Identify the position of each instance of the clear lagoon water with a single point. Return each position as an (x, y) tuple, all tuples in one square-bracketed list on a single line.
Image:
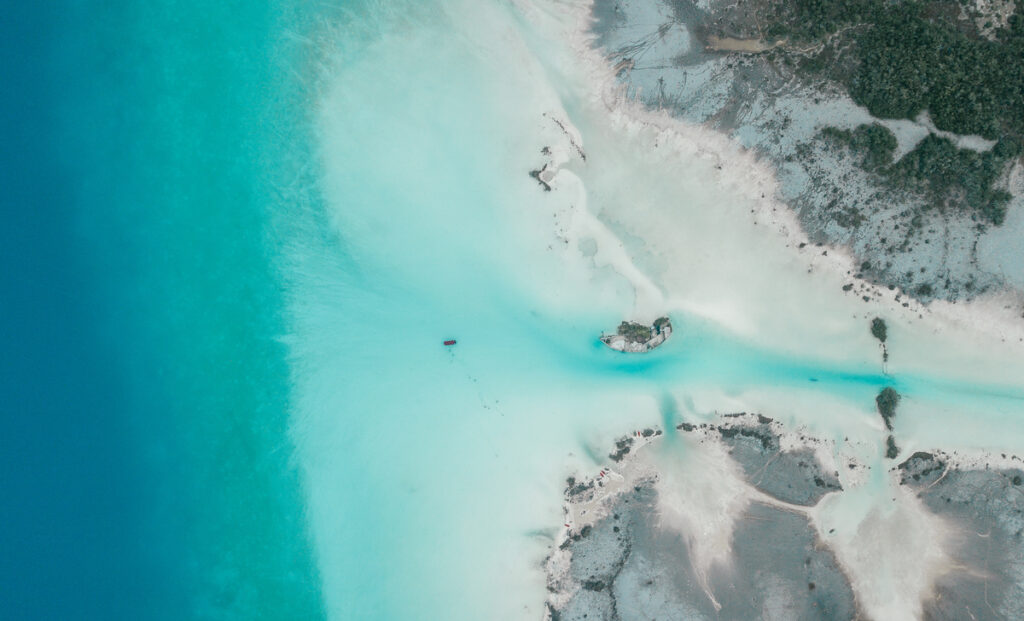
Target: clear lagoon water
[(145, 453), (239, 234)]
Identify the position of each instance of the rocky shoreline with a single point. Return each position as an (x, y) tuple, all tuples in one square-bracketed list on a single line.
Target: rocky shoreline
[(622, 555), (618, 560), (843, 171)]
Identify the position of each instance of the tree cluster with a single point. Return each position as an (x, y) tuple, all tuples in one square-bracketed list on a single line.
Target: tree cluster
[(912, 56)]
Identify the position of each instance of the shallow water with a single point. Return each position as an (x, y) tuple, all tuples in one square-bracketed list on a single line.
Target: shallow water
[(433, 475), (303, 203)]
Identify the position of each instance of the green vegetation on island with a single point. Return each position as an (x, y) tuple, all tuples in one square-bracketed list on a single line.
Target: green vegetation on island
[(634, 332), (637, 338), (878, 329), (886, 401), (874, 143), (961, 179), (958, 176), (639, 333)]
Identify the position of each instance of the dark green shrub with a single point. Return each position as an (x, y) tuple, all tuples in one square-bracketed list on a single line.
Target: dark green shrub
[(886, 401), (878, 329)]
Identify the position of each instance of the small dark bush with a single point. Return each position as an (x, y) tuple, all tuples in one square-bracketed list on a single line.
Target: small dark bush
[(878, 329), (887, 400)]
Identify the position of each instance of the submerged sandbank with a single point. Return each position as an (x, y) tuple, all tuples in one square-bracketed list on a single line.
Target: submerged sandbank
[(433, 226)]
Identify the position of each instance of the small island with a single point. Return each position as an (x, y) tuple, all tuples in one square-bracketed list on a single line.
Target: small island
[(637, 338)]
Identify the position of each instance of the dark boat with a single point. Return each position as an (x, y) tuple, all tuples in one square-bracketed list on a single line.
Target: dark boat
[(449, 342)]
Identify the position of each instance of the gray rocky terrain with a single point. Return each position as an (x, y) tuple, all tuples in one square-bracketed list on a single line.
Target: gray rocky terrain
[(628, 567), (792, 476), (628, 564), (710, 62), (987, 508)]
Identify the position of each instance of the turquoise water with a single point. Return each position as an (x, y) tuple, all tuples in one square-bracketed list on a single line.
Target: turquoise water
[(430, 471), (161, 123), (202, 108), (279, 212)]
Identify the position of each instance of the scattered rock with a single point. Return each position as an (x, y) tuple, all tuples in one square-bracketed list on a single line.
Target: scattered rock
[(593, 585), (572, 488), (622, 447), (543, 176), (921, 468), (793, 476)]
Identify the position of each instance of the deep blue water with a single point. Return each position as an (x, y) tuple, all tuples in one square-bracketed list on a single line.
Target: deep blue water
[(75, 544), (146, 470)]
